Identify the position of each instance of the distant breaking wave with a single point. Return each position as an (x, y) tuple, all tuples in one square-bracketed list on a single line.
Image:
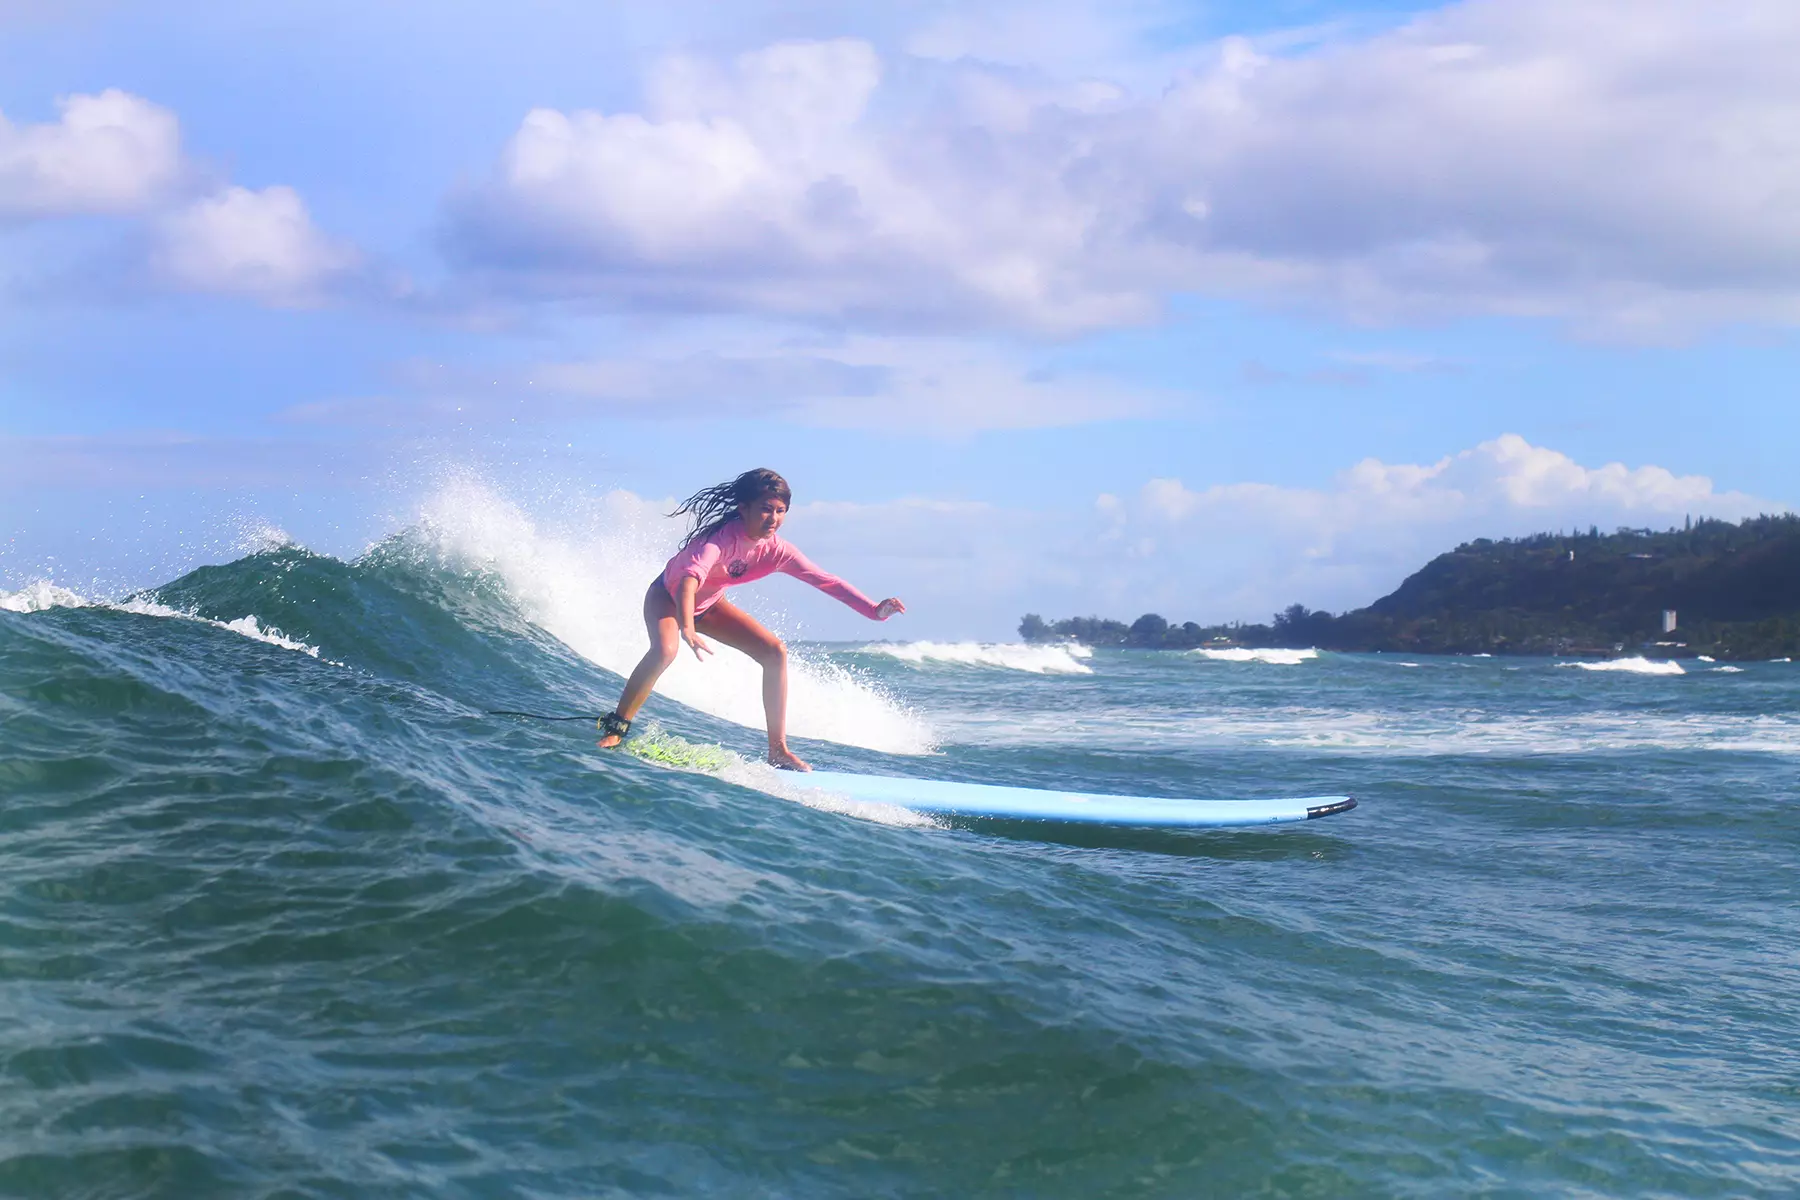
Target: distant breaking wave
[(1280, 658), (1637, 664), (1054, 659)]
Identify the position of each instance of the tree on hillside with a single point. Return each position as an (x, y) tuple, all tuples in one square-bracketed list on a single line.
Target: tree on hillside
[(1148, 630)]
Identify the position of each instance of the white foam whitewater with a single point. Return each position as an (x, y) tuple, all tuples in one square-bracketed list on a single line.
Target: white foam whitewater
[(1635, 665), (584, 584), (42, 595), (1240, 654), (1053, 659)]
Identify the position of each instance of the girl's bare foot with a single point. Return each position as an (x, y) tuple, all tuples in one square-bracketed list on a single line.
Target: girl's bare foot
[(609, 741), (786, 760)]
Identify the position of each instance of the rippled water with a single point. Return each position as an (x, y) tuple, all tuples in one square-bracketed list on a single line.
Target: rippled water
[(284, 913)]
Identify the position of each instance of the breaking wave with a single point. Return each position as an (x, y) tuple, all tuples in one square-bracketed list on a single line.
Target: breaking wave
[(1053, 659), (1636, 665), (1274, 657)]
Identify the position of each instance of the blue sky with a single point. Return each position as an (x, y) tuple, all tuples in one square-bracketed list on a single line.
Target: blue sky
[(1202, 309)]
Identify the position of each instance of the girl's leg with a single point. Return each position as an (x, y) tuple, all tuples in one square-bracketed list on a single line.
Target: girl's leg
[(739, 630), (665, 643)]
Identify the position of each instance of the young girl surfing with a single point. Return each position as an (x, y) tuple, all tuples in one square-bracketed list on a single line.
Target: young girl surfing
[(733, 541)]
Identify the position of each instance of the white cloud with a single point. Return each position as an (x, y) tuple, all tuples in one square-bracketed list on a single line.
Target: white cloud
[(1507, 480), (1259, 546), (1619, 164), (1626, 165), (120, 155), (765, 186), (261, 244), (110, 153)]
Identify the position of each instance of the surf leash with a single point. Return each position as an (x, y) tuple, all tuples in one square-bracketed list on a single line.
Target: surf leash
[(507, 712)]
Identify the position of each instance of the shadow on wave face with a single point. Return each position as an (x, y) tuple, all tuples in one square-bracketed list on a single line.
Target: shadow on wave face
[(1225, 845)]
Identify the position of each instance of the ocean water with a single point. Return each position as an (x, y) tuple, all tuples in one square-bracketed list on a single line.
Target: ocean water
[(285, 913)]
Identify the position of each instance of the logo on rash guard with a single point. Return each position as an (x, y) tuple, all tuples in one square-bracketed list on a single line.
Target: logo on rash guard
[(737, 568)]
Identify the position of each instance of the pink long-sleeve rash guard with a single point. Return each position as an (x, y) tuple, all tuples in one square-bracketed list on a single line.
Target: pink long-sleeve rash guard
[(730, 557)]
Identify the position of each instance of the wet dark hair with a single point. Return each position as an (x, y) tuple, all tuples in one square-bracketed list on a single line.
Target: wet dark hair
[(715, 507)]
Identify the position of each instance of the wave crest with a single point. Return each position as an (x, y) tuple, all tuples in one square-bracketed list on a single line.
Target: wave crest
[(42, 596), (1055, 659), (1240, 654), (1637, 664)]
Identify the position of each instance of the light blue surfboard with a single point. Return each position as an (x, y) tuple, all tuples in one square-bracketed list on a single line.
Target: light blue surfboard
[(1035, 804)]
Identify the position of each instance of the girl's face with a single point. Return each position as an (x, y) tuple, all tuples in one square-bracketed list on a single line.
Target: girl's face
[(763, 516)]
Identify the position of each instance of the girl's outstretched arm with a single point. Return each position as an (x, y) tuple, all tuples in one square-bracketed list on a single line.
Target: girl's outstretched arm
[(802, 568)]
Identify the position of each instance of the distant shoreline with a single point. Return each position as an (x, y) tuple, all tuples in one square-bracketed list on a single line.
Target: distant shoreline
[(1715, 589)]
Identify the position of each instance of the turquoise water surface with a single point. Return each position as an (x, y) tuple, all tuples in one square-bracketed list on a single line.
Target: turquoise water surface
[(284, 913)]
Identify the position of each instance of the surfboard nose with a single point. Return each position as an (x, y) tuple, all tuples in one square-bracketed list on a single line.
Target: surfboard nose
[(1326, 810)]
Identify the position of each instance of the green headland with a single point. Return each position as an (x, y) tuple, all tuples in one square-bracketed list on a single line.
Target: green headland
[(1731, 591)]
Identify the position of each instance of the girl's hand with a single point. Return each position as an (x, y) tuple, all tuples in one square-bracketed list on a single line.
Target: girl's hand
[(888, 608), (700, 645)]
